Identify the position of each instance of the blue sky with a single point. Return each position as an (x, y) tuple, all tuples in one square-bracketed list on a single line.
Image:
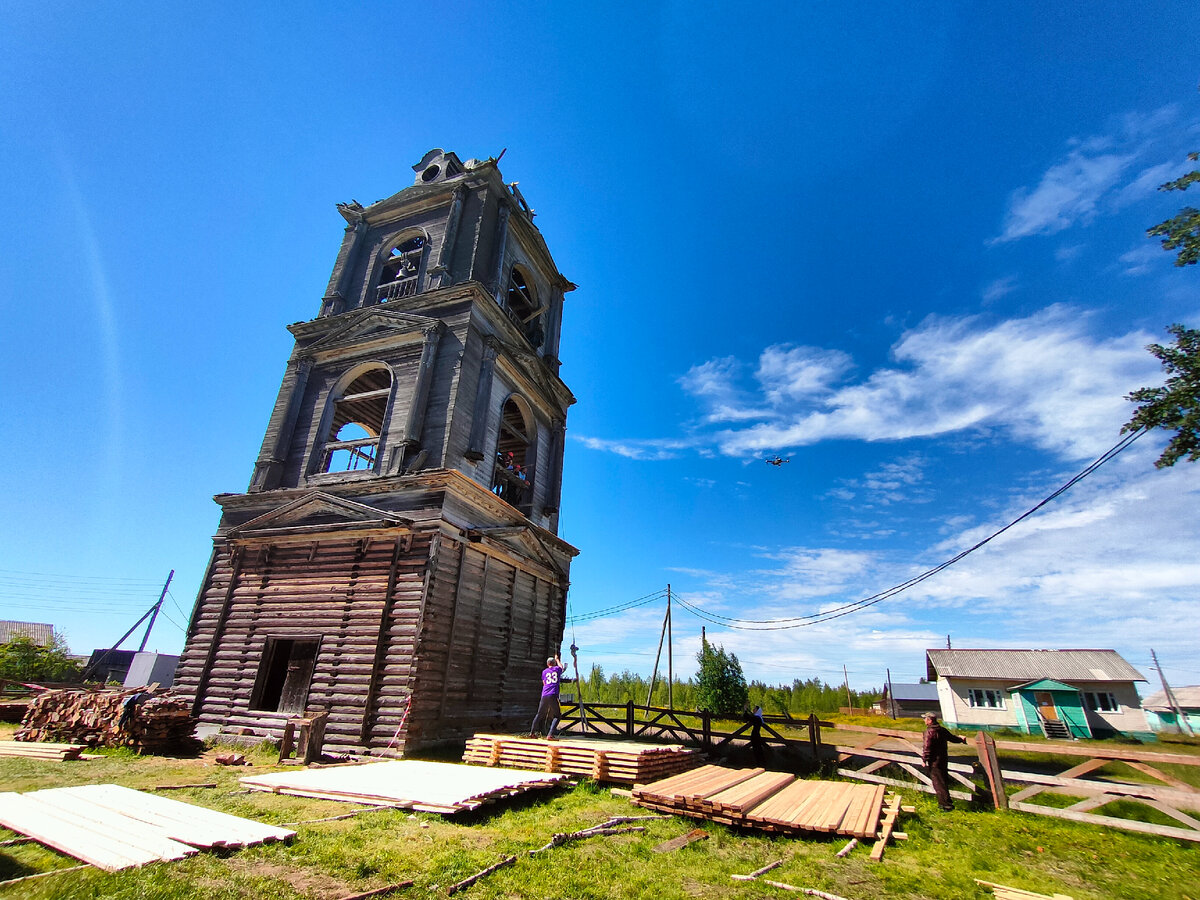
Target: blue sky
[(904, 249)]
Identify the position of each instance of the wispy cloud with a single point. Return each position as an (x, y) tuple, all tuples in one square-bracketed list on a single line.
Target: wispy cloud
[(1099, 174), (1042, 378), (1001, 287), (650, 449), (1142, 258)]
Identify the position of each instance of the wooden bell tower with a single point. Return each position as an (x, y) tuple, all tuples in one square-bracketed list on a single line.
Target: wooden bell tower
[(395, 559)]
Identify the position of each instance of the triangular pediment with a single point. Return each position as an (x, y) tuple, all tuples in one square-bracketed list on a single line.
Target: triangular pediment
[(373, 324), (523, 540), (317, 511)]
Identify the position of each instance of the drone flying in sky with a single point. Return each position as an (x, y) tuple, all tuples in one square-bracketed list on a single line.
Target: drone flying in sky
[(775, 461)]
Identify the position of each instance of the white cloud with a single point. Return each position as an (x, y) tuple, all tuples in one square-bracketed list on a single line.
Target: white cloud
[(1141, 259), (651, 449), (1001, 287), (1042, 378), (789, 373), (1087, 179), (1067, 194)]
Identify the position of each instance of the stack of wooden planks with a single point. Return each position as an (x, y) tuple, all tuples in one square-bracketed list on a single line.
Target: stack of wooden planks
[(156, 724), (406, 784), (767, 801), (40, 751), (115, 827), (622, 762)]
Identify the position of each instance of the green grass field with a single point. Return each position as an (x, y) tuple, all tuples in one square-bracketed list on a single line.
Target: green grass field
[(944, 852)]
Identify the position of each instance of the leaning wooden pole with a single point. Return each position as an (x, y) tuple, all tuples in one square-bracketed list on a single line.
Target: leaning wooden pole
[(657, 656)]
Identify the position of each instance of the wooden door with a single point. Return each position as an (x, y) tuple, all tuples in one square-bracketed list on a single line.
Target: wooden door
[(299, 674), (1045, 702)]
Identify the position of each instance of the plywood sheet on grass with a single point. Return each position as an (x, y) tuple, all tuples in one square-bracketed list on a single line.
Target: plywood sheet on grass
[(408, 784)]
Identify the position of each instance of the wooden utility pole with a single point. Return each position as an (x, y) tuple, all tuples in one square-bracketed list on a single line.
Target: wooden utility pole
[(670, 665), (891, 695), (849, 702), (657, 656), (1184, 724), (157, 607)]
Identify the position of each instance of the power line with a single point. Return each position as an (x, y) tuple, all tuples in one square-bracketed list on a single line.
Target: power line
[(621, 607), (847, 608)]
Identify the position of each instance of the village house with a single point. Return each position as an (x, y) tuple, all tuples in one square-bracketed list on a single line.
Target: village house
[(1064, 694), (1161, 715)]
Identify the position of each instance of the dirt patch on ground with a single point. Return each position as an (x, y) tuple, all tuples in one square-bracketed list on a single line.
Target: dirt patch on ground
[(313, 883)]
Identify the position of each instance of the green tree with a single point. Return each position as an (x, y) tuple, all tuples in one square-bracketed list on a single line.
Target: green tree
[(720, 684), (1175, 405), (1181, 232), (23, 659)]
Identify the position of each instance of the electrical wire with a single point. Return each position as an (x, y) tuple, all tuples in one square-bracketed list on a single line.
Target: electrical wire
[(847, 608), (621, 607)]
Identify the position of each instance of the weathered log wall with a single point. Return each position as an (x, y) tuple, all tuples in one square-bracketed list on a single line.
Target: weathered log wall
[(337, 592)]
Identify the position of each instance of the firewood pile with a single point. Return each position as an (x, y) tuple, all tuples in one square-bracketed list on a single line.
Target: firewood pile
[(155, 723)]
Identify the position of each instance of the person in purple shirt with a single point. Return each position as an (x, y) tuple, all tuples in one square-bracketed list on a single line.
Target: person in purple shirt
[(548, 709)]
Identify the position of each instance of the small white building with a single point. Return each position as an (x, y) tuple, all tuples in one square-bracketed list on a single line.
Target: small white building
[(1161, 716), (1059, 693)]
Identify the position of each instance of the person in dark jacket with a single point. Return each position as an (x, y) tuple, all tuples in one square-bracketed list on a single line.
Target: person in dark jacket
[(936, 757)]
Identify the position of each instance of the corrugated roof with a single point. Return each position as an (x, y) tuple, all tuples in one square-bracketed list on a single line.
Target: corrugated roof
[(901, 691), (1187, 697), (38, 632), (1031, 665)]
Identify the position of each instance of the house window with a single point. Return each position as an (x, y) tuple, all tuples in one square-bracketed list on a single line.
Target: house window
[(284, 675), (401, 270), (1101, 701), (352, 442), (980, 698), (523, 309), (512, 475)]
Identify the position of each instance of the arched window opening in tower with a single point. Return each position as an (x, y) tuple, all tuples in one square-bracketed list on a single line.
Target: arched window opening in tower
[(352, 443), (512, 480), (401, 270), (523, 309)]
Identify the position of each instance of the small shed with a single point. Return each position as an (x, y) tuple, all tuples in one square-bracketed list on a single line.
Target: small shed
[(909, 701), (1161, 715)]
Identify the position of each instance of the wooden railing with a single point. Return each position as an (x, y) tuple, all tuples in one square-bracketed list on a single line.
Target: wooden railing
[(701, 728)]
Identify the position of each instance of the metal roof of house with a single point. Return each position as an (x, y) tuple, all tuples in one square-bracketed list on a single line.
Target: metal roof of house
[(1187, 698), (926, 692), (1031, 665), (38, 632)]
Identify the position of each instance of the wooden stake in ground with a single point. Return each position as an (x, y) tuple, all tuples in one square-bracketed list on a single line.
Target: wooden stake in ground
[(467, 882)]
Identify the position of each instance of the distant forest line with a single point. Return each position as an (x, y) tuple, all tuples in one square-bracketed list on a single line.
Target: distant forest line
[(797, 699)]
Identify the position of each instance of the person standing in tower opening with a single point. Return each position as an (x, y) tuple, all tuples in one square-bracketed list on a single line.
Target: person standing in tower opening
[(548, 709), (936, 756)]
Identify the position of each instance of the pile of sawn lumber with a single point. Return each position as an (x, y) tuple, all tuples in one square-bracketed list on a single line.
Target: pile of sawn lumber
[(768, 801), (622, 762), (158, 724), (61, 752)]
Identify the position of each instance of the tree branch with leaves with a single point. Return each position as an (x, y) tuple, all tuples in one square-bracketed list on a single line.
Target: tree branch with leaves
[(1175, 405)]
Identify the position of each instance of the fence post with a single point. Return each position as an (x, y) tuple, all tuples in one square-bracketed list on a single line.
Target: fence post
[(814, 735), (706, 726), (985, 746), (629, 718)]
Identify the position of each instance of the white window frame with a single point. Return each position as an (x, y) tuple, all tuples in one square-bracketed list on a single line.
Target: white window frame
[(985, 698)]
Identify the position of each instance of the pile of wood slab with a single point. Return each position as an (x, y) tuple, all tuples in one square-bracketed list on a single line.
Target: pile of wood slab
[(158, 724), (445, 788), (115, 827), (768, 801), (620, 762)]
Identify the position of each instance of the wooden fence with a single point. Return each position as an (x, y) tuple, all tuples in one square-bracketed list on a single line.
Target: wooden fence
[(701, 728)]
